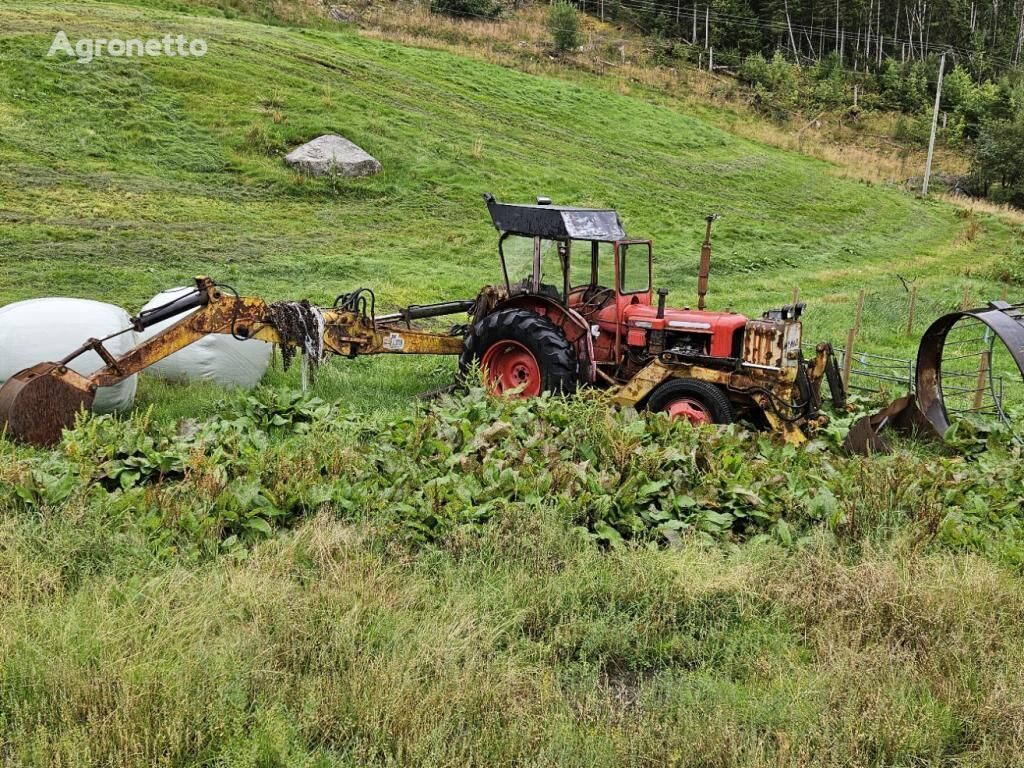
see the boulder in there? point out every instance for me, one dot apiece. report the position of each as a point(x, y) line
point(330, 155)
point(46, 330)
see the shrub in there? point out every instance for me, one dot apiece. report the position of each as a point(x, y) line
point(998, 159)
point(905, 86)
point(776, 83)
point(564, 25)
point(486, 9)
point(754, 69)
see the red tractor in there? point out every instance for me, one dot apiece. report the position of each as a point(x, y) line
point(585, 315)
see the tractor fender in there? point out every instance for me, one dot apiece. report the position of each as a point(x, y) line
point(636, 390)
point(571, 323)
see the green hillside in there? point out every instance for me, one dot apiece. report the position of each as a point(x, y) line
point(353, 578)
point(122, 177)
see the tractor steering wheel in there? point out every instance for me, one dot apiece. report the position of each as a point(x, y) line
point(594, 299)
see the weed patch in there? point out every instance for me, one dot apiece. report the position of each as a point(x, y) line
point(439, 476)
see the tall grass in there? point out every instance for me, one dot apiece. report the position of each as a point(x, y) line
point(332, 646)
point(395, 616)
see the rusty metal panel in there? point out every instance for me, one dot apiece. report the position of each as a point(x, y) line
point(641, 385)
point(763, 342)
point(38, 403)
point(636, 337)
point(772, 343)
point(792, 335)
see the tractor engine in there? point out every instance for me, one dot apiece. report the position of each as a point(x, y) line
point(722, 338)
point(685, 333)
point(688, 343)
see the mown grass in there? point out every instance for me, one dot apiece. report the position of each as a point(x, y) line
point(884, 630)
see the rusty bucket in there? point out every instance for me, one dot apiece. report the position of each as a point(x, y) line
point(39, 403)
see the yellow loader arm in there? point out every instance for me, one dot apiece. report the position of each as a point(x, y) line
point(38, 403)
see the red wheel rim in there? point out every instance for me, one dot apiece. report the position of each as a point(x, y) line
point(509, 365)
point(691, 409)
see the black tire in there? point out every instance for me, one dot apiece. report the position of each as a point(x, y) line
point(708, 395)
point(555, 356)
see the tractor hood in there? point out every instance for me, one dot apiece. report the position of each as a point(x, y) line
point(684, 320)
point(721, 327)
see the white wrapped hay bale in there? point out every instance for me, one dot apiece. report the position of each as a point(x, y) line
point(219, 358)
point(47, 330)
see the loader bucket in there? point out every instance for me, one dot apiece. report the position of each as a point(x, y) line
point(38, 403)
point(903, 415)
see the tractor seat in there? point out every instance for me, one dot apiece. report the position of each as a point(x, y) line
point(546, 289)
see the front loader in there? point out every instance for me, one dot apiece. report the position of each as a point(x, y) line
point(597, 326)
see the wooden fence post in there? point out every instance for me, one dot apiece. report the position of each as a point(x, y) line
point(851, 338)
point(910, 313)
point(979, 387)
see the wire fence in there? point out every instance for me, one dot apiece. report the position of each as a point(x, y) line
point(978, 378)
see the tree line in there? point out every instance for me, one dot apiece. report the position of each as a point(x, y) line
point(800, 55)
point(985, 37)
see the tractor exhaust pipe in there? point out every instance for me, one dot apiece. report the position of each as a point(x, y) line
point(704, 270)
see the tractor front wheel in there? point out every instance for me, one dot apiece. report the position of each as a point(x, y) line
point(696, 401)
point(522, 352)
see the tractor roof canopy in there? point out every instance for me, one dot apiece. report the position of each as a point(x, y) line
point(555, 222)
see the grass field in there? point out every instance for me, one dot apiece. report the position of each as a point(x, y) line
point(886, 630)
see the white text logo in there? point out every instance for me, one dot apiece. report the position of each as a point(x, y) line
point(86, 49)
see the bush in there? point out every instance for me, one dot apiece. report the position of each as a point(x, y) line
point(754, 69)
point(998, 160)
point(487, 9)
point(564, 25)
point(776, 84)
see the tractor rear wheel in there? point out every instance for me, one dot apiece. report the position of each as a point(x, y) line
point(520, 350)
point(697, 401)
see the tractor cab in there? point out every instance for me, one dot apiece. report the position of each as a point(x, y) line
point(582, 260)
point(579, 258)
